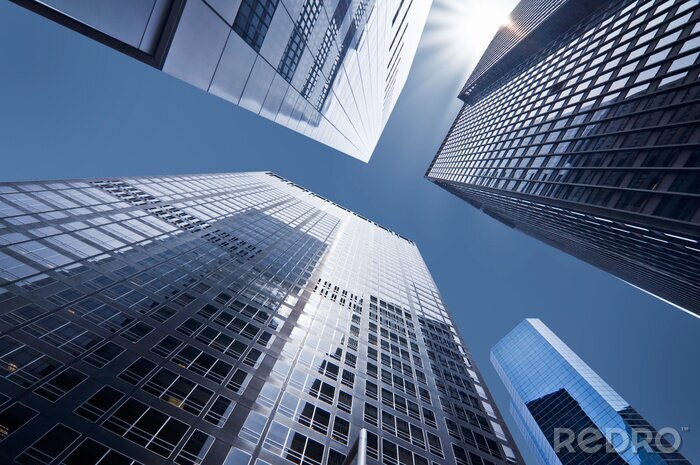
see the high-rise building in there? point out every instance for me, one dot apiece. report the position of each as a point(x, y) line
point(331, 70)
point(567, 414)
point(229, 318)
point(580, 128)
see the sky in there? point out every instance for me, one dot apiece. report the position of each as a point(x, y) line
point(72, 108)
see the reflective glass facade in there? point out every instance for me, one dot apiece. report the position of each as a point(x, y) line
point(228, 318)
point(551, 387)
point(584, 135)
point(329, 69)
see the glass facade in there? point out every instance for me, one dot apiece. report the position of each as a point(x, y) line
point(552, 388)
point(331, 70)
point(228, 318)
point(588, 138)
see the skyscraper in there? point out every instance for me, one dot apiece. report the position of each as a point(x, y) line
point(566, 412)
point(331, 70)
point(580, 128)
point(229, 318)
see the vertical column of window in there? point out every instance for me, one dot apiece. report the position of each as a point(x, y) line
point(325, 48)
point(339, 58)
point(49, 446)
point(297, 41)
point(253, 20)
point(342, 52)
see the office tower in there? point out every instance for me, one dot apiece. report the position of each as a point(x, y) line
point(331, 70)
point(579, 128)
point(230, 318)
point(559, 403)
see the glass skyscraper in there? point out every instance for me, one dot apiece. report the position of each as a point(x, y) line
point(228, 318)
point(580, 128)
point(331, 70)
point(551, 388)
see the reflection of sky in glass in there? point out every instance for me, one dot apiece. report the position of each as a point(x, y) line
point(134, 22)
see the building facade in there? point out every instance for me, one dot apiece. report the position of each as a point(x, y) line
point(229, 318)
point(556, 399)
point(580, 128)
point(329, 69)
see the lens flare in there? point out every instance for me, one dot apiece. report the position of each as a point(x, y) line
point(458, 32)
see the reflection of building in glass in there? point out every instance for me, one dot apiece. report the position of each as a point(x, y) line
point(556, 398)
point(329, 69)
point(579, 128)
point(220, 318)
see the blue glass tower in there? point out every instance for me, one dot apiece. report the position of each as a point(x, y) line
point(557, 401)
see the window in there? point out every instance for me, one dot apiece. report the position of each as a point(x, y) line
point(219, 411)
point(417, 437)
point(103, 355)
point(236, 457)
point(189, 327)
point(435, 444)
point(63, 334)
point(202, 363)
point(178, 391)
point(371, 390)
point(425, 395)
point(297, 40)
point(348, 378)
point(460, 455)
point(429, 418)
point(371, 414)
point(90, 452)
point(344, 401)
point(238, 381)
point(315, 418)
point(62, 383)
point(162, 314)
point(49, 446)
point(166, 346)
point(146, 426)
point(252, 358)
point(341, 429)
point(195, 449)
point(96, 406)
point(335, 457)
point(253, 20)
point(329, 369)
point(137, 371)
point(24, 365)
point(253, 427)
point(13, 418)
point(23, 314)
point(305, 450)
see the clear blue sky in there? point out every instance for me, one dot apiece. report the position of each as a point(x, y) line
point(71, 108)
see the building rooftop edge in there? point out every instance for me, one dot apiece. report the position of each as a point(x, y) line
point(271, 173)
point(566, 16)
point(292, 183)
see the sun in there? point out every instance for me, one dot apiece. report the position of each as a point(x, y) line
point(458, 31)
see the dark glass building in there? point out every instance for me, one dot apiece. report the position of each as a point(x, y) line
point(331, 70)
point(566, 412)
point(225, 319)
point(580, 128)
